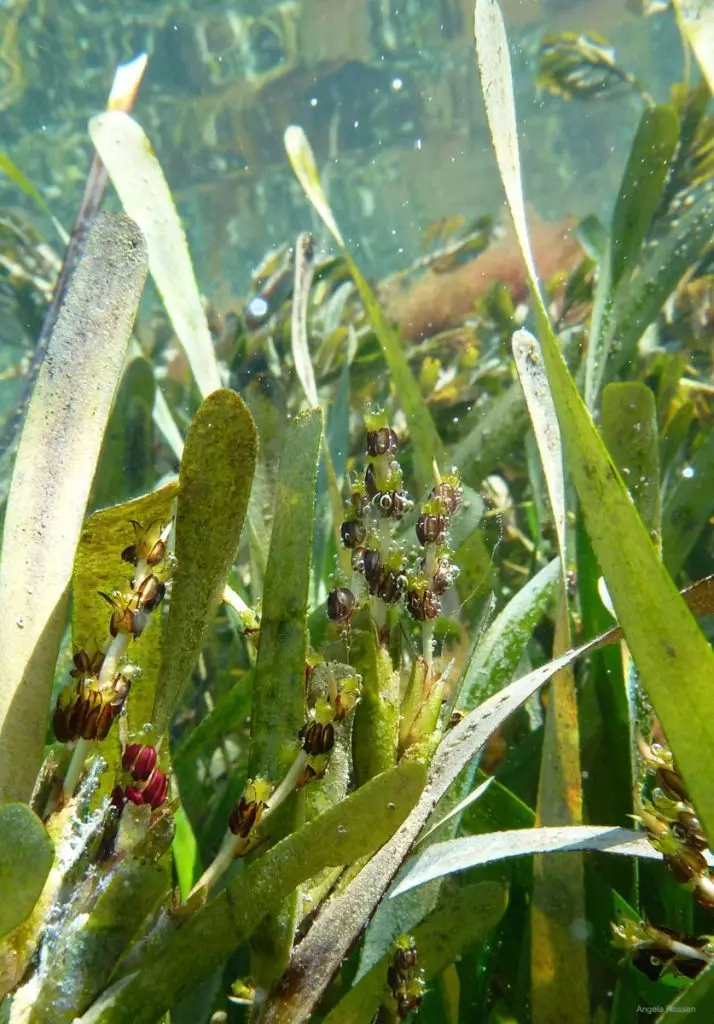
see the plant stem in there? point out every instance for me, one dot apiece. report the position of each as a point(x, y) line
point(234, 846)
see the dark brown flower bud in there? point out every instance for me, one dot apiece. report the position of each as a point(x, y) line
point(443, 577)
point(84, 665)
point(449, 495)
point(245, 816)
point(340, 604)
point(372, 569)
point(422, 604)
point(370, 481)
point(383, 441)
point(673, 784)
point(148, 544)
point(391, 586)
point(318, 738)
point(150, 593)
point(431, 529)
point(126, 616)
point(353, 533)
point(392, 504)
point(85, 710)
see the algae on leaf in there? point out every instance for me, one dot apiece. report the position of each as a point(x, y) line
point(26, 856)
point(56, 461)
point(214, 487)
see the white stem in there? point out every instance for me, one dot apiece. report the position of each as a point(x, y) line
point(232, 845)
point(76, 765)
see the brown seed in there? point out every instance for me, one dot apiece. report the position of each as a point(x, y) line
point(340, 604)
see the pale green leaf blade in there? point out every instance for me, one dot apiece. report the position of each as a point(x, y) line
point(629, 428)
point(214, 488)
point(688, 506)
point(474, 851)
point(354, 828)
point(26, 856)
point(57, 457)
point(137, 176)
point(539, 402)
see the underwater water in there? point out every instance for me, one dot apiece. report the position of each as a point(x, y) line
point(386, 90)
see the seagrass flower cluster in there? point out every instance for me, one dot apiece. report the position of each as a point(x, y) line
point(376, 505)
point(87, 706)
point(674, 829)
point(404, 979)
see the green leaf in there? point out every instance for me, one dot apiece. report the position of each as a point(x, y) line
point(278, 710)
point(642, 187)
point(214, 487)
point(354, 828)
point(688, 506)
point(26, 856)
point(463, 917)
point(99, 567)
point(674, 660)
point(376, 728)
point(136, 174)
point(425, 438)
point(57, 457)
point(629, 428)
point(474, 851)
point(13, 172)
point(496, 656)
point(697, 996)
point(185, 852)
point(126, 463)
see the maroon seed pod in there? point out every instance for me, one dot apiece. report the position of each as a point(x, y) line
point(353, 533)
point(672, 784)
point(431, 529)
point(156, 789)
point(117, 798)
point(382, 442)
point(134, 795)
point(391, 504)
point(139, 760)
point(340, 604)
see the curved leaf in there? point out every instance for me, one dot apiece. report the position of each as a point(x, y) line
point(137, 176)
point(473, 851)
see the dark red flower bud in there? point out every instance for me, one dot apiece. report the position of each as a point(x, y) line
point(422, 604)
point(156, 789)
point(392, 504)
point(370, 481)
point(139, 760)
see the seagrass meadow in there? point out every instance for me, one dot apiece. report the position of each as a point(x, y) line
point(356, 620)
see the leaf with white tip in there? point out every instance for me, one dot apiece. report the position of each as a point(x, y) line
point(139, 180)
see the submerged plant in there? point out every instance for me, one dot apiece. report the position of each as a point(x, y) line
point(285, 698)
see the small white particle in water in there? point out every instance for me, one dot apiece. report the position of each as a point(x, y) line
point(391, 806)
point(342, 829)
point(397, 83)
point(417, 144)
point(356, 124)
point(20, 623)
point(688, 472)
point(313, 101)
